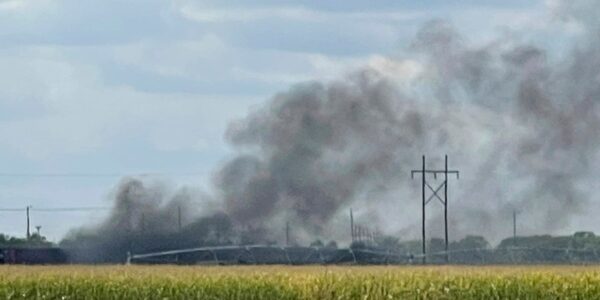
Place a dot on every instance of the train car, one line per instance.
(33, 256)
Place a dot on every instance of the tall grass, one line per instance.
(282, 282)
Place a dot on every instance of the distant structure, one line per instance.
(361, 233)
(424, 183)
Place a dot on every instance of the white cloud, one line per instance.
(397, 70)
(9, 5)
(291, 13)
(210, 58)
(323, 67)
(178, 58)
(77, 113)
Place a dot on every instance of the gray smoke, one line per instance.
(520, 122)
(542, 122)
(313, 149)
(147, 216)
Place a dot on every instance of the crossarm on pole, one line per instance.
(434, 192)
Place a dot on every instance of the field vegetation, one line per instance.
(284, 282)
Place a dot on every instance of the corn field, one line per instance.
(285, 282)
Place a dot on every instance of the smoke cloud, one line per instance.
(519, 121)
(147, 216)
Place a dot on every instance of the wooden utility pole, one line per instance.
(424, 240)
(287, 234)
(514, 228)
(28, 222)
(424, 171)
(446, 207)
(179, 218)
(352, 233)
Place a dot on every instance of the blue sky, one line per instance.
(129, 87)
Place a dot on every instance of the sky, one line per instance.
(98, 90)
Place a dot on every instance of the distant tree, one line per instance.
(35, 240)
(470, 242)
(318, 243)
(411, 246)
(534, 241)
(436, 245)
(584, 235)
(332, 245)
(585, 240)
(388, 242)
(358, 245)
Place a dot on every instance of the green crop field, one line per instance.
(284, 282)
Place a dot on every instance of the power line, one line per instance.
(12, 209)
(55, 209)
(59, 175)
(97, 175)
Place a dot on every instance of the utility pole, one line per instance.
(446, 206)
(361, 233)
(514, 228)
(179, 218)
(424, 240)
(143, 224)
(28, 222)
(424, 171)
(352, 233)
(287, 234)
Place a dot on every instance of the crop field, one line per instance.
(284, 282)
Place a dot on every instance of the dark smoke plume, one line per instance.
(146, 218)
(315, 148)
(520, 122)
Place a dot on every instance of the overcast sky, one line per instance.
(109, 88)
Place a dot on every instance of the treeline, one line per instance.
(579, 241)
(394, 244)
(218, 232)
(35, 240)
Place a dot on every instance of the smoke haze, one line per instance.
(520, 123)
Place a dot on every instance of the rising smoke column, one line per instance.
(315, 147)
(145, 217)
(539, 162)
(520, 122)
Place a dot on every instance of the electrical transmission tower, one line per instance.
(434, 194)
